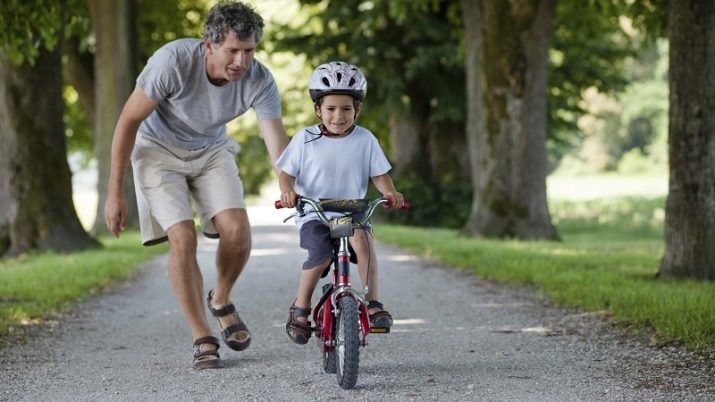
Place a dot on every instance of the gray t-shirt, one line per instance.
(192, 112)
(329, 167)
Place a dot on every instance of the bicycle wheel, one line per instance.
(347, 348)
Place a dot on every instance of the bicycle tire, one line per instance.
(347, 348)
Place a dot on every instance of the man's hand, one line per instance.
(115, 214)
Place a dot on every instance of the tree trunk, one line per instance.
(690, 208)
(37, 210)
(506, 63)
(114, 78)
(405, 140)
(80, 74)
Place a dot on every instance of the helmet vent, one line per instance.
(352, 81)
(326, 82)
(340, 77)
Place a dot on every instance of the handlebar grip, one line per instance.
(279, 204)
(390, 202)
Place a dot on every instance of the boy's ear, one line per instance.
(358, 109)
(317, 111)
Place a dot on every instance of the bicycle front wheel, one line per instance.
(347, 348)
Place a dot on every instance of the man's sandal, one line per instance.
(239, 328)
(380, 319)
(300, 331)
(206, 359)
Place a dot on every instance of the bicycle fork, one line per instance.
(340, 287)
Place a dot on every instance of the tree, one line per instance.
(507, 47)
(35, 180)
(115, 64)
(690, 206)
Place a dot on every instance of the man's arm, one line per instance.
(136, 109)
(275, 137)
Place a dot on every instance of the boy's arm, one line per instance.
(286, 183)
(384, 185)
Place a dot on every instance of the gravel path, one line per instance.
(456, 338)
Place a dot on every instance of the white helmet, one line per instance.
(337, 77)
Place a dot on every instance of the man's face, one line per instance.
(229, 60)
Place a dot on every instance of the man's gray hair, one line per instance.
(236, 17)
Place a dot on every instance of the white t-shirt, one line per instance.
(332, 167)
(192, 112)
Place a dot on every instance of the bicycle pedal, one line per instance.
(380, 330)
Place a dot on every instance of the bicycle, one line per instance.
(341, 316)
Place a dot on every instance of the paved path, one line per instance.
(455, 339)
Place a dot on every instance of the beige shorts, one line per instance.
(168, 179)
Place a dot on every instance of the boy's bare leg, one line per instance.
(306, 284)
(364, 247)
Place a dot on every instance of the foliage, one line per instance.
(607, 262)
(412, 53)
(409, 52)
(28, 25)
(588, 50)
(253, 162)
(161, 21)
(445, 204)
(627, 131)
(26, 295)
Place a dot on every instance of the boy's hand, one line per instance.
(288, 199)
(396, 198)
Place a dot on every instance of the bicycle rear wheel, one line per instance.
(347, 348)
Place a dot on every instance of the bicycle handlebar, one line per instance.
(317, 206)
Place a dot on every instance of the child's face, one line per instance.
(337, 113)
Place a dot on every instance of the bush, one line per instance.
(443, 204)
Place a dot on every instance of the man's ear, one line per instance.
(209, 46)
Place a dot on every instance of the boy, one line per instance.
(334, 159)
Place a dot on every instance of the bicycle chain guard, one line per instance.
(341, 226)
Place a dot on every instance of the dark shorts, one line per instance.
(315, 237)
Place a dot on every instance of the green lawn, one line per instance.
(38, 286)
(607, 261)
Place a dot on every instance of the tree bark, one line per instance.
(37, 210)
(506, 63)
(690, 207)
(114, 78)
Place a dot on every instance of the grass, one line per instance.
(607, 261)
(39, 286)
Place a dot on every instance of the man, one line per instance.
(174, 128)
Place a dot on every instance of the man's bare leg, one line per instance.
(185, 277)
(234, 248)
